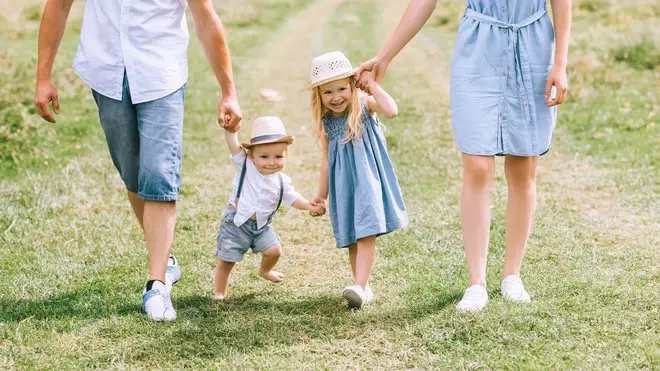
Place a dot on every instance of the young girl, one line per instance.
(258, 189)
(357, 174)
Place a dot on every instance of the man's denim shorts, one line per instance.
(235, 241)
(145, 142)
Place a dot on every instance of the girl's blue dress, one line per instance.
(364, 194)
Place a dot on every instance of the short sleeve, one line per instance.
(239, 159)
(290, 195)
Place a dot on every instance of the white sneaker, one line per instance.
(513, 289)
(156, 303)
(474, 299)
(355, 296)
(368, 295)
(172, 272)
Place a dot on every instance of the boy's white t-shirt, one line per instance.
(260, 193)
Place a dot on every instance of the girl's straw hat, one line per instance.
(329, 67)
(268, 129)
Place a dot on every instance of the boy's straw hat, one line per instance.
(267, 129)
(329, 67)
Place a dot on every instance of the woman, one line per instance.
(504, 92)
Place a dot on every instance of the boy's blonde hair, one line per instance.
(354, 125)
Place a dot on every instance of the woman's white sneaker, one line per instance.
(514, 290)
(474, 299)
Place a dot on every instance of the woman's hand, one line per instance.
(369, 78)
(370, 66)
(557, 78)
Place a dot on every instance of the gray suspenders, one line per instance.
(240, 187)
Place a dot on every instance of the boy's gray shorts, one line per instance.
(234, 241)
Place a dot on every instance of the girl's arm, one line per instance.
(379, 101)
(318, 203)
(322, 193)
(561, 11)
(417, 13)
(232, 142)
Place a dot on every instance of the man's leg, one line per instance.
(160, 126)
(159, 219)
(138, 206)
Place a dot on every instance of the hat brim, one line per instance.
(330, 79)
(288, 139)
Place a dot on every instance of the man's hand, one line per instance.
(229, 113)
(44, 94)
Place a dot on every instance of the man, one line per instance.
(133, 54)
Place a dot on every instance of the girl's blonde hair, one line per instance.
(354, 125)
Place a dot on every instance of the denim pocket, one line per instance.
(228, 217)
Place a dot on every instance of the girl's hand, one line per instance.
(369, 78)
(317, 207)
(369, 65)
(557, 78)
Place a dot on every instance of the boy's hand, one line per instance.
(229, 113)
(317, 207)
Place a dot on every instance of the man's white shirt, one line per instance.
(147, 38)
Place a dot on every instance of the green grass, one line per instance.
(643, 55)
(73, 260)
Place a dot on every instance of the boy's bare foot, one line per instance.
(273, 276)
(219, 296)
